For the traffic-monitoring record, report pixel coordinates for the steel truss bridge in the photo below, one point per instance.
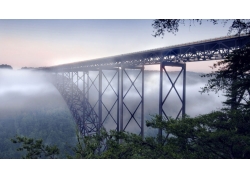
(96, 91)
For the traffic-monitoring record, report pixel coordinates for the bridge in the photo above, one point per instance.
(84, 84)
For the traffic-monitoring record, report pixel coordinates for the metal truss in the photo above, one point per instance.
(107, 91)
(212, 49)
(109, 103)
(97, 98)
(163, 98)
(181, 98)
(134, 121)
(86, 119)
(91, 114)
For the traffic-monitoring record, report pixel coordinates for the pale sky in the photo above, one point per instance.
(38, 43)
(50, 42)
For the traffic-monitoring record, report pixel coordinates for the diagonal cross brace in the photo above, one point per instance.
(172, 85)
(182, 99)
(124, 95)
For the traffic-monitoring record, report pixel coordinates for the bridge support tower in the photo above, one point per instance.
(164, 95)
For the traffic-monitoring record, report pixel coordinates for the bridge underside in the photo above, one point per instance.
(113, 98)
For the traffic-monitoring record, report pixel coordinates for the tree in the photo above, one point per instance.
(221, 134)
(233, 78)
(5, 66)
(214, 135)
(35, 148)
(172, 25)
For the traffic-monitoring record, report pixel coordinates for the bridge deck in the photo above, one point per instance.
(210, 49)
(84, 90)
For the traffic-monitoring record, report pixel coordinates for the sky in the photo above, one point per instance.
(50, 42)
(40, 42)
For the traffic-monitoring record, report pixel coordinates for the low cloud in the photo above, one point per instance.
(30, 90)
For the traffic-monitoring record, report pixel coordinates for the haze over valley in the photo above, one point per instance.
(32, 106)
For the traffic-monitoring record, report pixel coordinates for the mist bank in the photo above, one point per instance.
(24, 89)
(32, 106)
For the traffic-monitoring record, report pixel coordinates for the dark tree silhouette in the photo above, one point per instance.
(161, 26)
(5, 66)
(232, 78)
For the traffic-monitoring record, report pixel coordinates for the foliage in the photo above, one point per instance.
(215, 135)
(5, 66)
(172, 25)
(52, 125)
(35, 148)
(88, 147)
(232, 78)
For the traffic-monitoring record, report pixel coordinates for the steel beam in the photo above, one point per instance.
(121, 99)
(160, 100)
(100, 102)
(142, 106)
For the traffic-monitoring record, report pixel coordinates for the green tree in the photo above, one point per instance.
(160, 26)
(221, 134)
(35, 149)
(232, 78)
(214, 135)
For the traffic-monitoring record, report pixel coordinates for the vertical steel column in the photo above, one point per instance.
(121, 102)
(100, 102)
(142, 111)
(72, 82)
(184, 91)
(87, 85)
(77, 78)
(160, 99)
(83, 84)
(63, 82)
(118, 100)
(56, 79)
(84, 102)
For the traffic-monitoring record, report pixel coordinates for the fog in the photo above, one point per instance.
(22, 89)
(26, 89)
